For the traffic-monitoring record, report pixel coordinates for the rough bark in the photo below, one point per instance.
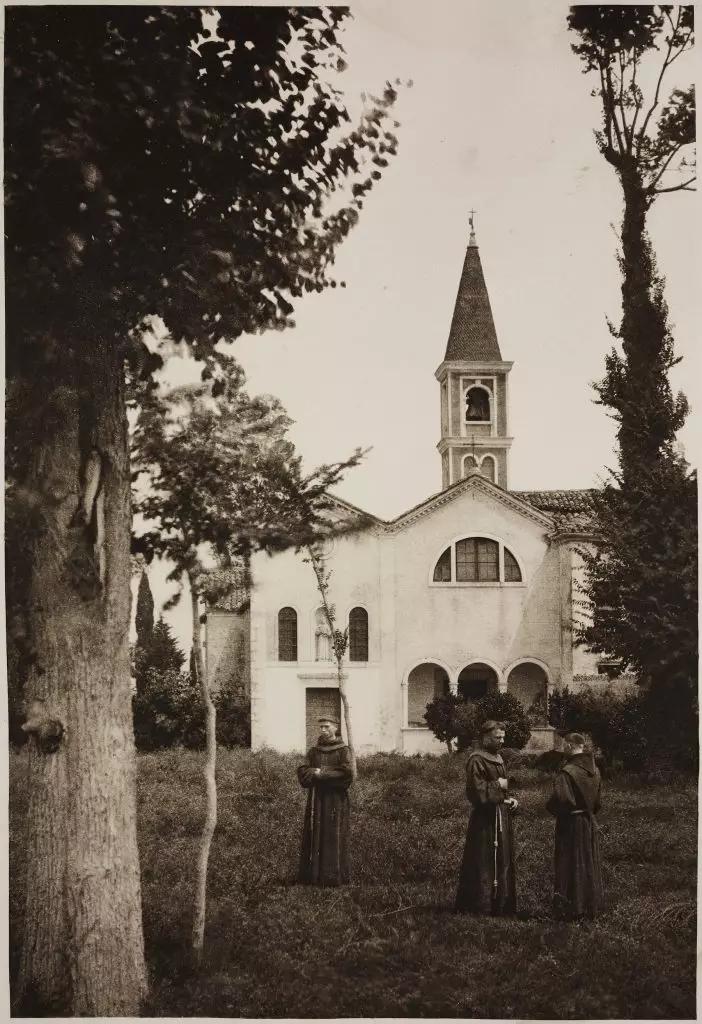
(210, 784)
(82, 945)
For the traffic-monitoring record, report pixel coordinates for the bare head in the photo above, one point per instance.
(492, 735)
(574, 743)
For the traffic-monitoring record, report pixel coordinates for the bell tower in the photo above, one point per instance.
(473, 384)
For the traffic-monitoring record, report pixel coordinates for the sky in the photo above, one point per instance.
(499, 119)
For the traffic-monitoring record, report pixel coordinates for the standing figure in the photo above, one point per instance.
(326, 775)
(574, 802)
(487, 883)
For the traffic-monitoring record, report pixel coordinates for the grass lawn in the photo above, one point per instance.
(388, 945)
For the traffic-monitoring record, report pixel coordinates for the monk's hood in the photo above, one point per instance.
(585, 761)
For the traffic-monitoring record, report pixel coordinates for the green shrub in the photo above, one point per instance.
(233, 721)
(168, 711)
(440, 716)
(455, 718)
(505, 707)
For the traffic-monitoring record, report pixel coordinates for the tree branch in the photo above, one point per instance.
(685, 187)
(613, 111)
(666, 164)
(666, 63)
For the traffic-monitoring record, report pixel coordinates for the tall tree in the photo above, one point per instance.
(641, 584)
(144, 613)
(152, 169)
(224, 480)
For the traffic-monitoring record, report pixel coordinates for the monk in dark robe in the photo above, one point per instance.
(574, 802)
(326, 775)
(487, 882)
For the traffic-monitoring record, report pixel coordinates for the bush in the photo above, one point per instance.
(505, 707)
(168, 711)
(233, 721)
(631, 732)
(440, 716)
(451, 717)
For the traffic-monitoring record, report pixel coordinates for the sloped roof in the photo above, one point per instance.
(571, 510)
(472, 336)
(449, 493)
(228, 588)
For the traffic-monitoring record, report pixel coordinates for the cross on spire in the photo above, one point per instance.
(471, 240)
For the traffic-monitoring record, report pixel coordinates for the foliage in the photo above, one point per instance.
(641, 585)
(633, 731)
(167, 710)
(217, 469)
(144, 619)
(162, 654)
(397, 951)
(440, 716)
(195, 187)
(233, 721)
(454, 718)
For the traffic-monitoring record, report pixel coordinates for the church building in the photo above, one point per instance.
(470, 591)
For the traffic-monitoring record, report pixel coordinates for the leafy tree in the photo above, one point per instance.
(152, 169)
(641, 583)
(144, 613)
(163, 653)
(440, 716)
(222, 477)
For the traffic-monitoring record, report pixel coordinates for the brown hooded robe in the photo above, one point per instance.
(487, 882)
(324, 854)
(578, 873)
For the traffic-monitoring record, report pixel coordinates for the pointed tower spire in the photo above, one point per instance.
(472, 335)
(473, 382)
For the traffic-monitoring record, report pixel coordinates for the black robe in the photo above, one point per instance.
(324, 854)
(578, 869)
(487, 881)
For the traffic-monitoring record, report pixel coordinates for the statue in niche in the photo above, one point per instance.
(477, 406)
(322, 638)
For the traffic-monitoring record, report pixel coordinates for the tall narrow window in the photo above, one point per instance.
(287, 634)
(358, 634)
(442, 569)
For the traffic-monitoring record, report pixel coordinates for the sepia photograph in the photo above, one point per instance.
(352, 390)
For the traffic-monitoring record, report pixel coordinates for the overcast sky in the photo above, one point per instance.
(499, 119)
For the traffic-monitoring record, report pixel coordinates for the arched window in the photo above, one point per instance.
(512, 571)
(358, 634)
(477, 560)
(322, 637)
(287, 634)
(477, 405)
(442, 569)
(470, 463)
(487, 468)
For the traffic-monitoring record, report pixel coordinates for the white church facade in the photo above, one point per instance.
(470, 591)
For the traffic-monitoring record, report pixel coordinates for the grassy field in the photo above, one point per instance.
(389, 945)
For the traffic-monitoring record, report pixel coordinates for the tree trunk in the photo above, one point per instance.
(347, 717)
(82, 951)
(210, 784)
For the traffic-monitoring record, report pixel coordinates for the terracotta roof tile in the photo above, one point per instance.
(226, 589)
